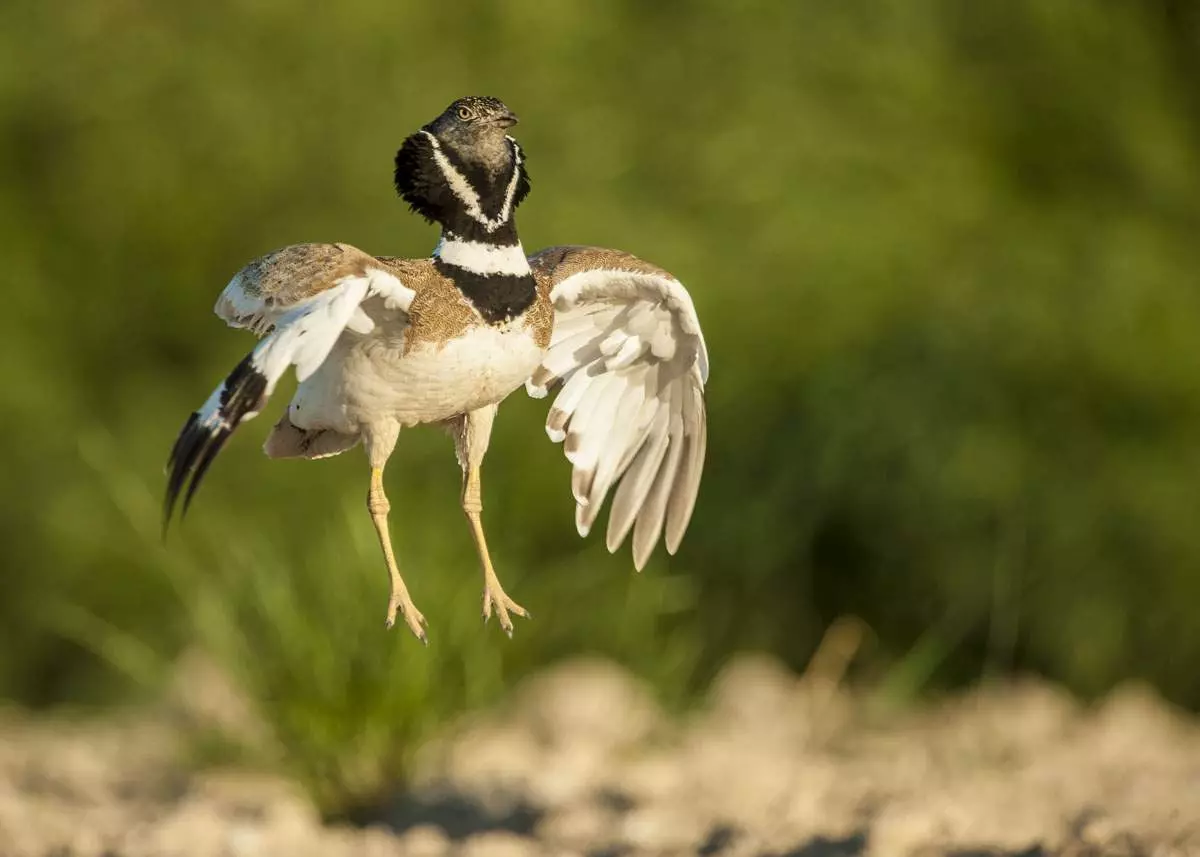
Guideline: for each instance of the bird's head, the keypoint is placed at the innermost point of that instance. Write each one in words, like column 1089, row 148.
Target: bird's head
column 473, row 126
column 463, row 161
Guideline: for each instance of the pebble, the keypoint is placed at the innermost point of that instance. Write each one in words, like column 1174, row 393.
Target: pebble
column 584, row 763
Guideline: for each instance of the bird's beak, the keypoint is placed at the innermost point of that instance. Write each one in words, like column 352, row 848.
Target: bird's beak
column 506, row 119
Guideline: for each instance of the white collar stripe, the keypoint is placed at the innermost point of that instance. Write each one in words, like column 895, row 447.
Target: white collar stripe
column 481, row 258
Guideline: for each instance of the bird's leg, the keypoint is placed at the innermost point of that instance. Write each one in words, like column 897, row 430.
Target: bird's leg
column 472, row 444
column 494, row 595
column 378, row 505
column 379, row 447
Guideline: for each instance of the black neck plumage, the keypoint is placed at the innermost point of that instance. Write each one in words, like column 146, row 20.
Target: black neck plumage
column 479, row 249
column 467, row 199
column 499, row 298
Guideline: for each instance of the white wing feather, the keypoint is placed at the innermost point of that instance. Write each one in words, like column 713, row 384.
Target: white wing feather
column 306, row 332
column 301, row 334
column 628, row 351
column 255, row 312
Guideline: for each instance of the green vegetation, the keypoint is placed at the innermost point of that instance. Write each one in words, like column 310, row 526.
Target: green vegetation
column 946, row 256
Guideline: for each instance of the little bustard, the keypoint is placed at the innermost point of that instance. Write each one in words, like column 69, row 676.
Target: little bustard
column 380, row 343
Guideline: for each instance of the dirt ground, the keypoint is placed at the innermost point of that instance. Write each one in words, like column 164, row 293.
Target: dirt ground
column 583, row 763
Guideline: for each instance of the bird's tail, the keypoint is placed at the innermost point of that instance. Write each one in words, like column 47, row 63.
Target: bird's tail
column 239, row 397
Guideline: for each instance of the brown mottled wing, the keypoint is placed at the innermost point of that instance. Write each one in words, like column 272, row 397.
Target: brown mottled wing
column 630, row 357
column 263, row 291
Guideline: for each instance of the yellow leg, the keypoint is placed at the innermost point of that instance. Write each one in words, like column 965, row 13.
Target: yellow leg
column 494, row 595
column 378, row 505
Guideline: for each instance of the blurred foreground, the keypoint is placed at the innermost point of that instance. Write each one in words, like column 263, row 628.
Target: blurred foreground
column 582, row 761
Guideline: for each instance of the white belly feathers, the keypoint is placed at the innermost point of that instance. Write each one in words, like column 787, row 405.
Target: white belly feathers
column 368, row 378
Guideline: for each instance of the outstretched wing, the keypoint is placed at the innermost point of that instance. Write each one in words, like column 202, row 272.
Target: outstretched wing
column 300, row 300
column 273, row 285
column 628, row 352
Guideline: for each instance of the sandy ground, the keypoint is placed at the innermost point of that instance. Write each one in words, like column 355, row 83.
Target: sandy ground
column 583, row 763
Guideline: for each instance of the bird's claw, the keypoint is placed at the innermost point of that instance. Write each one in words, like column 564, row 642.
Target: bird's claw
column 412, row 617
column 496, row 598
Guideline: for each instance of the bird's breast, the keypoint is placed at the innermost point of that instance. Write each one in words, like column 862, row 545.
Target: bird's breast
column 434, row 381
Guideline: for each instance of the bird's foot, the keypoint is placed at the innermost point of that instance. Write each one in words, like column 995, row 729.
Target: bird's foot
column 494, row 597
column 400, row 602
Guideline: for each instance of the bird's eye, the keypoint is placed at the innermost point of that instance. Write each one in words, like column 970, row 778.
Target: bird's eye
column 465, row 113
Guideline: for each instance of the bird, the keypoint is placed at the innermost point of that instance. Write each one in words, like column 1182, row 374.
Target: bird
column 381, row 343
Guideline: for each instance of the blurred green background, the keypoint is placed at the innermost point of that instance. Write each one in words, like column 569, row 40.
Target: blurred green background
column 946, row 259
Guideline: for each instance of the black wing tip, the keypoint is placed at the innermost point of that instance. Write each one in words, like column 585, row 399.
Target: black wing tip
column 195, row 450
column 194, row 439
column 198, row 444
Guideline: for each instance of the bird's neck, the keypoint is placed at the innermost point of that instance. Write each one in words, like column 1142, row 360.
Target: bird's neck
column 472, row 199
column 490, row 270
column 478, row 216
column 486, row 256
column 479, row 250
